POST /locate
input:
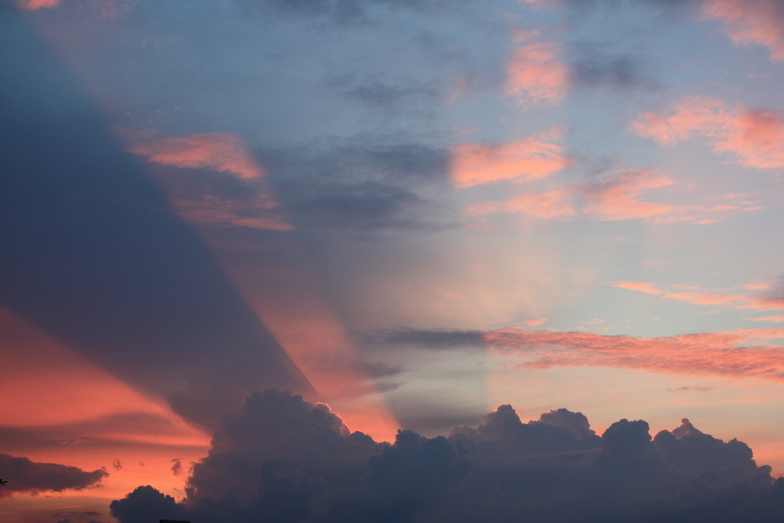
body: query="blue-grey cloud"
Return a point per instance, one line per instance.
(30, 477)
(284, 459)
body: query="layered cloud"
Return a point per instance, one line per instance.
(742, 353)
(752, 136)
(283, 459)
(531, 158)
(29, 477)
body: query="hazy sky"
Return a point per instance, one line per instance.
(414, 211)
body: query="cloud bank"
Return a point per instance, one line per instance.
(28, 477)
(284, 459)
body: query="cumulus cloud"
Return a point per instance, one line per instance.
(283, 459)
(29, 477)
(753, 136)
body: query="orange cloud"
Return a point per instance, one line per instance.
(535, 71)
(754, 136)
(531, 158)
(534, 322)
(745, 353)
(750, 22)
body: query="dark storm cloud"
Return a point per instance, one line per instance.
(93, 255)
(283, 459)
(29, 477)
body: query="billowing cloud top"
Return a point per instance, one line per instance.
(284, 459)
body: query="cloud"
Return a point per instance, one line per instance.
(777, 318)
(222, 152)
(531, 158)
(766, 299)
(362, 185)
(750, 22)
(535, 72)
(203, 197)
(639, 286)
(620, 198)
(743, 353)
(596, 67)
(614, 196)
(753, 136)
(29, 477)
(282, 459)
(555, 203)
(37, 4)
(535, 321)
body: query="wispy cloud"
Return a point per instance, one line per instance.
(251, 203)
(621, 194)
(741, 353)
(536, 156)
(221, 152)
(753, 136)
(776, 318)
(769, 299)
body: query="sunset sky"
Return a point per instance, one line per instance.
(413, 211)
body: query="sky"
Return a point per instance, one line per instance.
(338, 217)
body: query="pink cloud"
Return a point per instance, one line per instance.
(745, 353)
(754, 136)
(620, 198)
(778, 318)
(37, 4)
(750, 22)
(699, 296)
(534, 157)
(201, 202)
(547, 205)
(611, 198)
(535, 71)
(647, 288)
(534, 322)
(222, 152)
